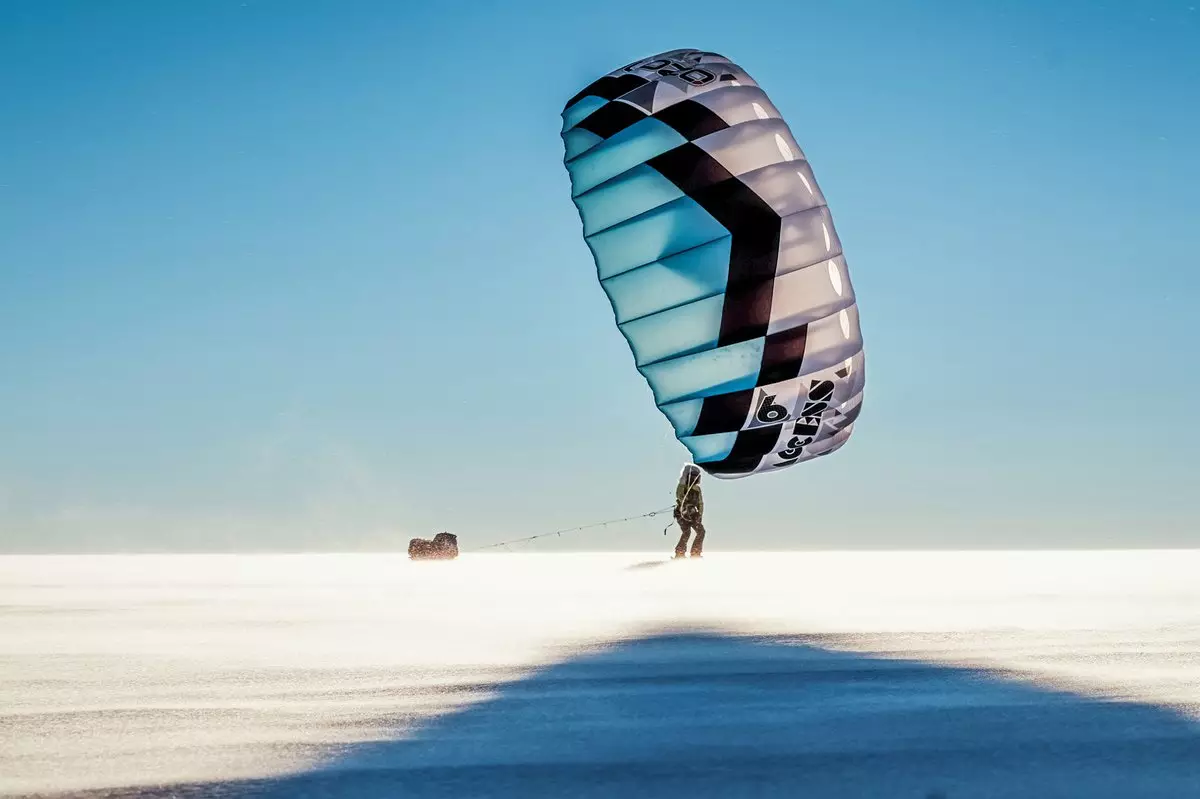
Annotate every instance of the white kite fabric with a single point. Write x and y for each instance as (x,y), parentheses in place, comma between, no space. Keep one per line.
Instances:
(719,256)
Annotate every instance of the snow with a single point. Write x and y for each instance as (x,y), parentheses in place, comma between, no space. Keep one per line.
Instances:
(836,674)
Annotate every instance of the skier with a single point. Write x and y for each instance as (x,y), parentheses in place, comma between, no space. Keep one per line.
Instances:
(689,511)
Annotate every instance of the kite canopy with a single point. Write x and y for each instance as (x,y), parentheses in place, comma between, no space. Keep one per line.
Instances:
(719,257)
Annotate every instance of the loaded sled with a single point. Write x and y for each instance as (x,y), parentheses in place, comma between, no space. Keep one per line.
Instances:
(444,546)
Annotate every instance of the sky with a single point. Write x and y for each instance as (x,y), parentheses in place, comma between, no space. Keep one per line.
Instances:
(295,275)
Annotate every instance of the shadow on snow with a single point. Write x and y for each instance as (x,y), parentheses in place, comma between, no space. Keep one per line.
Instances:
(706,715)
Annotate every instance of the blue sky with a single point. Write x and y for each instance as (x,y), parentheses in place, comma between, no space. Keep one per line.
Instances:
(293,275)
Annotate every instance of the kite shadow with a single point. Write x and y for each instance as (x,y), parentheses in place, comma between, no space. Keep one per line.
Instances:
(710,715)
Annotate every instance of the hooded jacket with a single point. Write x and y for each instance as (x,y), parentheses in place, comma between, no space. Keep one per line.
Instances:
(689,500)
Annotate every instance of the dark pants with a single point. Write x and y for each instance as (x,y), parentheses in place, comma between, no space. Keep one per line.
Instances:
(686,525)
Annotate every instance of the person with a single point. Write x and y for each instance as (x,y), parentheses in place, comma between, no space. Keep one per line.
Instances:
(689,511)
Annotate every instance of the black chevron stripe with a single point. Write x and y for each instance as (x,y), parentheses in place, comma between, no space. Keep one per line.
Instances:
(688,117)
(783,353)
(723,413)
(754,236)
(611,118)
(754,229)
(748,451)
(609,88)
